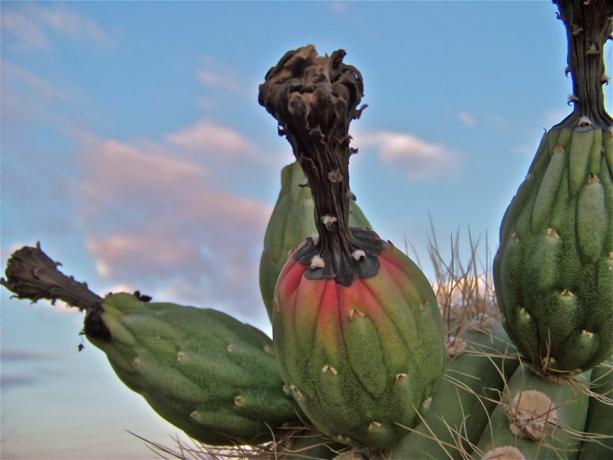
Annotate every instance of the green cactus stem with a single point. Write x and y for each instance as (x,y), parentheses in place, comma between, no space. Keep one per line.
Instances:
(202,370)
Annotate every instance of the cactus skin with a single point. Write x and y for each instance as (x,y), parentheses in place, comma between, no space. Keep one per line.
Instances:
(553,271)
(464,399)
(360,359)
(202,370)
(290,223)
(570,406)
(599,425)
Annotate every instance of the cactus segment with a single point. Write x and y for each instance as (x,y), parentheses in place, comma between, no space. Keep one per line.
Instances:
(538,417)
(598,438)
(553,271)
(290,224)
(461,405)
(357,330)
(202,370)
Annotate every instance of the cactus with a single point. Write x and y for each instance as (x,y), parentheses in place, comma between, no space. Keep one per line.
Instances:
(202,370)
(598,442)
(356,326)
(454,421)
(290,223)
(554,268)
(537,418)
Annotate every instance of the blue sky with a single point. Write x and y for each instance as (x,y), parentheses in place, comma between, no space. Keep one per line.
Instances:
(134,149)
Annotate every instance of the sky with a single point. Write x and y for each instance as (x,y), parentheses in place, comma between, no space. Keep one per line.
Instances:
(134,150)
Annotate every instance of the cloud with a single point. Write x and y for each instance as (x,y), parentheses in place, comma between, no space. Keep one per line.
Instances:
(207,136)
(24,355)
(11,381)
(466,119)
(158,223)
(16,75)
(32,25)
(219,78)
(420,158)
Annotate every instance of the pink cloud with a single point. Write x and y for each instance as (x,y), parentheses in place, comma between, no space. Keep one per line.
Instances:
(32,25)
(422,159)
(158,223)
(209,137)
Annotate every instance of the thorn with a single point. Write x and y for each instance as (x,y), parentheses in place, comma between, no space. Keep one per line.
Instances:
(552,233)
(351,195)
(567,71)
(304,183)
(335,176)
(593,50)
(572,99)
(230,348)
(401,376)
(584,122)
(327,369)
(317,262)
(577,29)
(358,255)
(328,221)
(374,425)
(355,311)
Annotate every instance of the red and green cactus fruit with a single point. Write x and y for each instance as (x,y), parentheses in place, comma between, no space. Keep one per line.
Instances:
(553,270)
(202,370)
(356,326)
(289,225)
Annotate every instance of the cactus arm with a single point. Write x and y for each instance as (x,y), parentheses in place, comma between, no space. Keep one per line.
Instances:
(598,442)
(462,403)
(538,417)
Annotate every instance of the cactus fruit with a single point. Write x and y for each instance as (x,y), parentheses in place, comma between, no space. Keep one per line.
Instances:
(537,417)
(553,270)
(202,370)
(356,326)
(289,225)
(460,407)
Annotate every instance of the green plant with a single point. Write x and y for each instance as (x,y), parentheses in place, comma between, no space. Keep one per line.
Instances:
(202,370)
(356,325)
(291,222)
(554,268)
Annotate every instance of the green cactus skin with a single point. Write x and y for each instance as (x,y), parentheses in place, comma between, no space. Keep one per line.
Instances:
(311,445)
(359,359)
(570,405)
(202,370)
(289,225)
(464,399)
(599,427)
(553,271)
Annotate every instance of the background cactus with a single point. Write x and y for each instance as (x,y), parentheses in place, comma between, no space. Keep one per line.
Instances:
(290,224)
(554,268)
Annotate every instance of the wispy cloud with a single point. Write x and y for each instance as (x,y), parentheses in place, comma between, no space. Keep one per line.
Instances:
(33,26)
(219,78)
(12,381)
(420,159)
(14,355)
(174,232)
(466,118)
(206,136)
